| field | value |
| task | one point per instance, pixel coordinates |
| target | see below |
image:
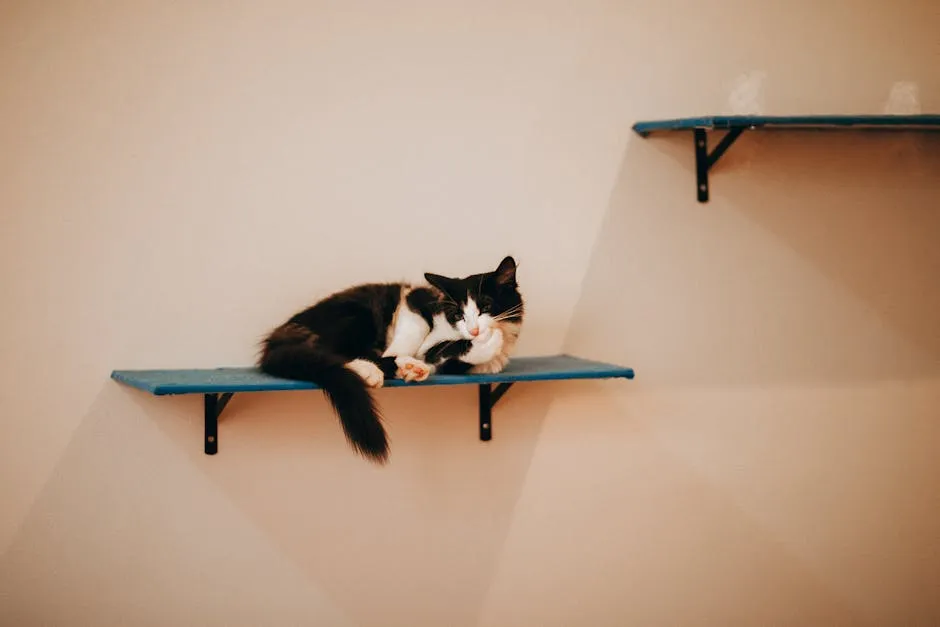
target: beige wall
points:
(177, 177)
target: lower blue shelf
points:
(223, 380)
(218, 385)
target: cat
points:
(356, 338)
(483, 326)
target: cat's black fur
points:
(315, 344)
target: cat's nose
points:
(475, 331)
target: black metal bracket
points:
(488, 398)
(214, 404)
(705, 160)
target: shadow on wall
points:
(329, 533)
(815, 260)
(124, 533)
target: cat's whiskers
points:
(509, 313)
(512, 310)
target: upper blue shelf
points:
(230, 380)
(735, 125)
(795, 122)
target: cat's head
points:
(474, 304)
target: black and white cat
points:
(356, 338)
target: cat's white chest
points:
(442, 331)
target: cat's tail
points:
(303, 360)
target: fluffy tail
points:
(303, 360)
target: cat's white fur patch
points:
(369, 372)
(408, 331)
(493, 366)
(482, 351)
(510, 332)
(441, 332)
(473, 319)
(471, 315)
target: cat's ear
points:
(443, 283)
(506, 272)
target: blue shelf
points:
(735, 125)
(224, 380)
(218, 385)
(792, 122)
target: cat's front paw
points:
(369, 372)
(411, 369)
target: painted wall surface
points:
(176, 178)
